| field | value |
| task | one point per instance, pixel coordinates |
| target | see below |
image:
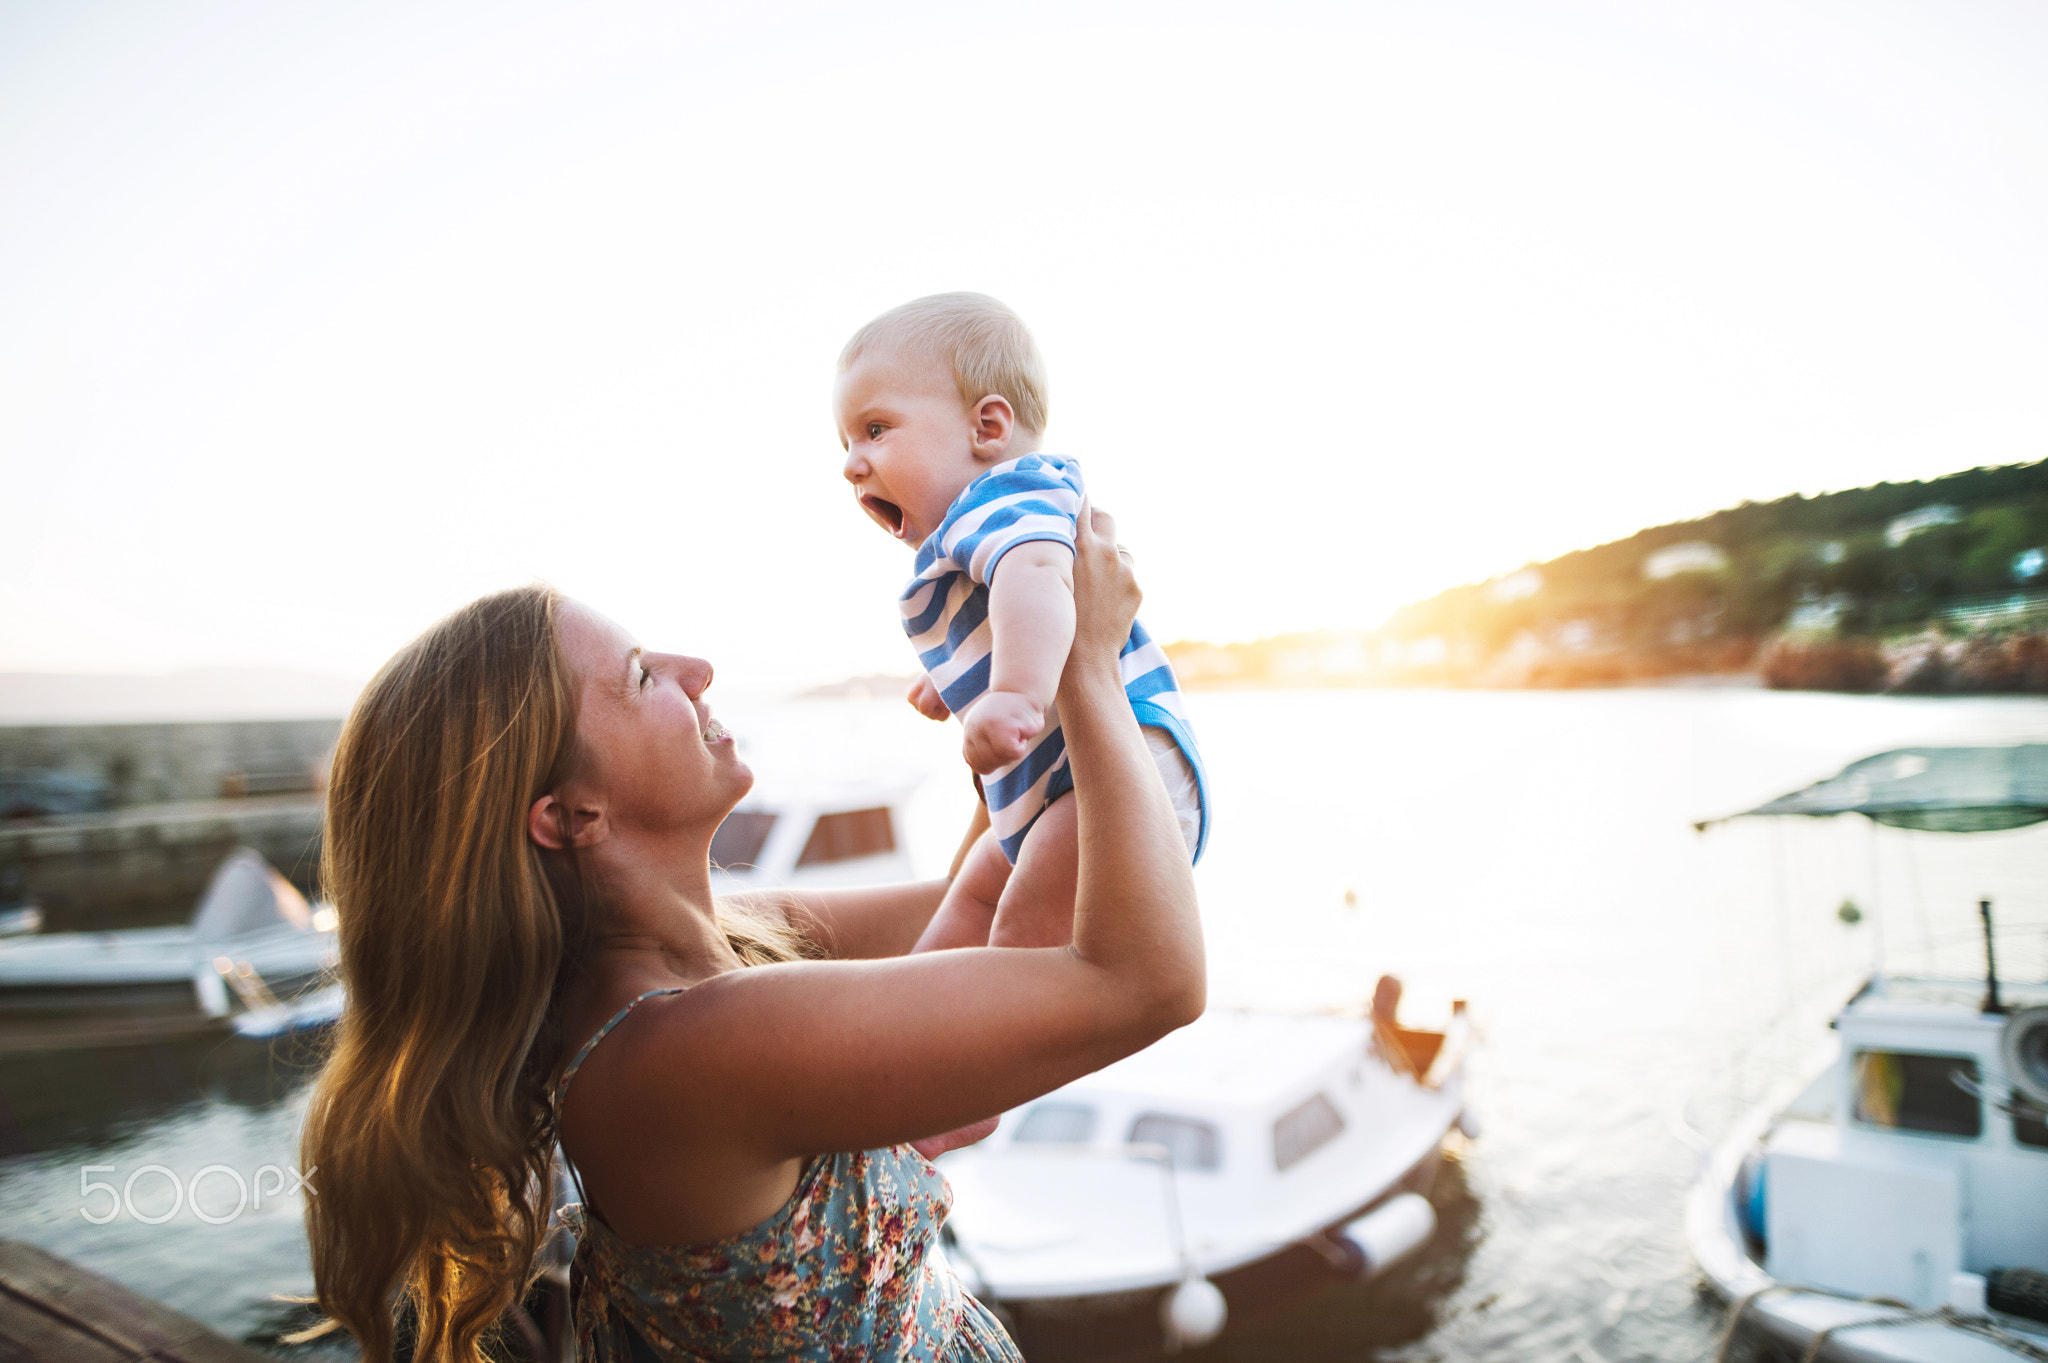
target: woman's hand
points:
(1106, 594)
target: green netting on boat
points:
(1938, 790)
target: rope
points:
(1735, 1315)
(1955, 1320)
(1821, 1337)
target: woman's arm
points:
(863, 922)
(835, 1055)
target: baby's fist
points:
(924, 698)
(1000, 728)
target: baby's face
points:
(909, 442)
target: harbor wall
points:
(159, 806)
(139, 764)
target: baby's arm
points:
(1031, 616)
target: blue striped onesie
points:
(945, 613)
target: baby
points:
(940, 404)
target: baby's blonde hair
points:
(987, 345)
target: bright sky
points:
(316, 321)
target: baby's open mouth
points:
(885, 511)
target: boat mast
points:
(1991, 1003)
(1876, 914)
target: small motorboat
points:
(1230, 1141)
(791, 834)
(1891, 1202)
(251, 930)
(838, 833)
(267, 1019)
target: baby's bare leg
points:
(1037, 906)
(967, 912)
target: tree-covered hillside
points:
(1951, 558)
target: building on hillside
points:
(1689, 556)
(1515, 586)
(1903, 528)
(1819, 614)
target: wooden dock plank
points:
(32, 1336)
(69, 1312)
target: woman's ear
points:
(555, 825)
(995, 425)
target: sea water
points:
(1635, 983)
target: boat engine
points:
(2024, 1047)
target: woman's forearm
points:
(1135, 914)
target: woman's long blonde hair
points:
(431, 1131)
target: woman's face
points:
(650, 756)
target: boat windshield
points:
(1903, 1091)
(1189, 1143)
(848, 834)
(1056, 1124)
(739, 840)
(1304, 1130)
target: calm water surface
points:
(1531, 852)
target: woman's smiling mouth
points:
(714, 732)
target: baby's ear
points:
(995, 428)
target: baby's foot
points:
(931, 1147)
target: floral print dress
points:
(844, 1271)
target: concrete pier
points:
(176, 799)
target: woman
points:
(519, 819)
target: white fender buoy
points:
(1192, 1314)
(1389, 1232)
(211, 989)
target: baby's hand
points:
(1000, 728)
(924, 698)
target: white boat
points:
(319, 1008)
(792, 834)
(1891, 1203)
(250, 925)
(836, 833)
(1230, 1141)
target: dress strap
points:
(562, 1084)
(575, 1064)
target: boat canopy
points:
(1939, 790)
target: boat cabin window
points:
(844, 836)
(739, 840)
(2029, 1122)
(1057, 1124)
(1902, 1091)
(1190, 1144)
(1305, 1130)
